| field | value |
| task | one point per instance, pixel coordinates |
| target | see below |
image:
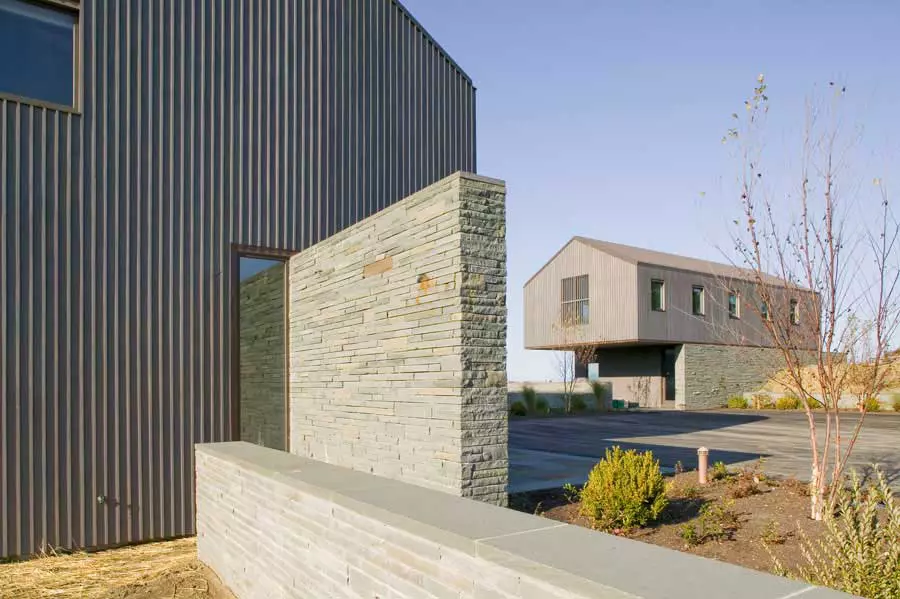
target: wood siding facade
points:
(613, 300)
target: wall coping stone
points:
(574, 559)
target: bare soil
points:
(767, 524)
(167, 569)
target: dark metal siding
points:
(204, 124)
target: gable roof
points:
(636, 255)
(644, 256)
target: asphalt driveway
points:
(547, 452)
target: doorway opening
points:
(260, 388)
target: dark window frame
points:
(662, 295)
(794, 314)
(764, 312)
(701, 310)
(736, 313)
(575, 298)
(239, 251)
(73, 8)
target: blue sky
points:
(606, 118)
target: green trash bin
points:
(618, 404)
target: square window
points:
(42, 38)
(698, 300)
(657, 295)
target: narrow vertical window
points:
(42, 39)
(657, 295)
(734, 305)
(795, 312)
(764, 311)
(575, 308)
(698, 300)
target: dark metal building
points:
(193, 127)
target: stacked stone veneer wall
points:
(262, 357)
(707, 375)
(398, 342)
(273, 524)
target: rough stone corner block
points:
(398, 342)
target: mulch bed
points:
(767, 522)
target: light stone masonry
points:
(397, 342)
(275, 525)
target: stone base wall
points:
(398, 342)
(707, 375)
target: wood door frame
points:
(239, 251)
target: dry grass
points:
(166, 569)
(859, 373)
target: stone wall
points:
(398, 342)
(707, 375)
(271, 524)
(262, 358)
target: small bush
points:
(599, 390)
(895, 402)
(743, 486)
(814, 404)
(716, 521)
(624, 490)
(529, 395)
(871, 404)
(738, 402)
(578, 404)
(788, 402)
(679, 467)
(518, 409)
(541, 406)
(571, 493)
(859, 551)
(771, 534)
(719, 471)
(795, 486)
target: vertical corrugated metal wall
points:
(205, 123)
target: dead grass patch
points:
(167, 569)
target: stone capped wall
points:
(397, 342)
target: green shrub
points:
(518, 409)
(716, 521)
(788, 402)
(871, 404)
(578, 404)
(719, 471)
(859, 551)
(624, 490)
(771, 534)
(895, 402)
(814, 404)
(541, 406)
(738, 402)
(600, 392)
(529, 395)
(571, 493)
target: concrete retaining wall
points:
(398, 342)
(273, 524)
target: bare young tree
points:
(831, 307)
(570, 334)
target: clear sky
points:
(606, 118)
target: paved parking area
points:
(548, 452)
